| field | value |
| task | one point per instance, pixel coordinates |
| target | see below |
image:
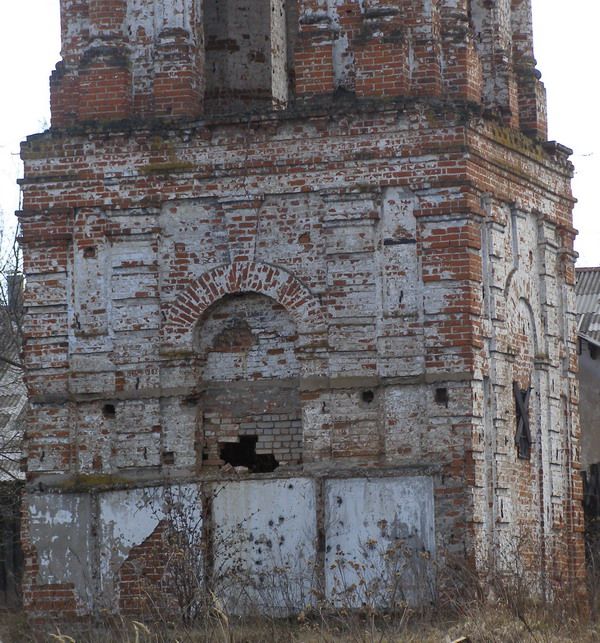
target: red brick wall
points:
(405, 49)
(395, 237)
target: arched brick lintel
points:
(278, 284)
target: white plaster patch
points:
(127, 518)
(380, 541)
(265, 544)
(60, 529)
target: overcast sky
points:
(567, 49)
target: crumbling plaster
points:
(264, 542)
(336, 280)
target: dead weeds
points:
(480, 624)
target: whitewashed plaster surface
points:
(127, 518)
(60, 525)
(380, 540)
(265, 543)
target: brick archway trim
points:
(262, 278)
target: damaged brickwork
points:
(302, 258)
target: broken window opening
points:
(523, 434)
(245, 54)
(243, 454)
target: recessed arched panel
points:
(251, 413)
(182, 315)
(247, 336)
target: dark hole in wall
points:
(367, 396)
(109, 411)
(441, 396)
(168, 457)
(243, 454)
(523, 440)
(89, 252)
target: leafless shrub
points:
(12, 411)
(11, 366)
(204, 580)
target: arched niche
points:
(181, 316)
(250, 404)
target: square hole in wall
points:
(168, 457)
(441, 396)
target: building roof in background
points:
(588, 303)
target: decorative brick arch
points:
(278, 284)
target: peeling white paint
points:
(380, 541)
(265, 544)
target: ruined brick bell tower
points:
(307, 265)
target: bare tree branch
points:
(12, 390)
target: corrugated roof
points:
(588, 303)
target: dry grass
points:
(496, 609)
(480, 624)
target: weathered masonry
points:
(299, 272)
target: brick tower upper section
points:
(139, 59)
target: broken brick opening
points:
(243, 454)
